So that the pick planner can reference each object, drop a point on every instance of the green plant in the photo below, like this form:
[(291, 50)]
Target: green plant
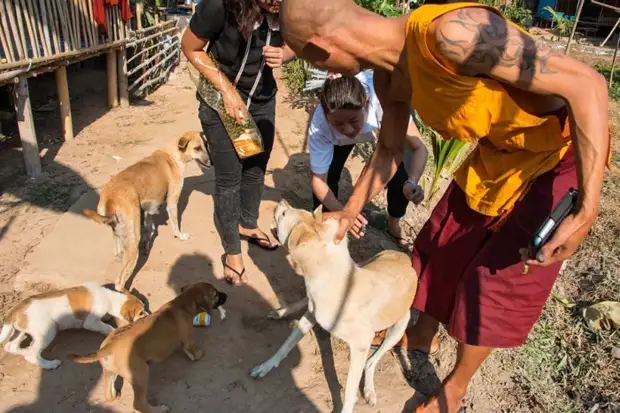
[(562, 26), (605, 70), (515, 12), (387, 8), (294, 75)]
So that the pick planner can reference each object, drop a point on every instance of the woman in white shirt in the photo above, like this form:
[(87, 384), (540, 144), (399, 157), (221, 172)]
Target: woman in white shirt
[(350, 113)]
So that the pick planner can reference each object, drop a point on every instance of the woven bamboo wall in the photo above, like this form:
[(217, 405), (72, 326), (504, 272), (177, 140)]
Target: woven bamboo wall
[(33, 29)]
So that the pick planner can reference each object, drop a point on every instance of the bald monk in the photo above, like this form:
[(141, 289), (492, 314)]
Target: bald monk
[(539, 119)]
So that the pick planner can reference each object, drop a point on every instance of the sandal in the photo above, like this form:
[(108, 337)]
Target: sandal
[(421, 407), (242, 279), (261, 242), (400, 241)]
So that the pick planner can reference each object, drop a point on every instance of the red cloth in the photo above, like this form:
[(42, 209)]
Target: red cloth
[(471, 277), (99, 12)]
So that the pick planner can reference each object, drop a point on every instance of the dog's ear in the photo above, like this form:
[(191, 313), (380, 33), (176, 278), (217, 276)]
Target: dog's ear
[(183, 142), (318, 213)]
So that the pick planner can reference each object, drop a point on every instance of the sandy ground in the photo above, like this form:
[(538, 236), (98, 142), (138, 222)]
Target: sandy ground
[(312, 377)]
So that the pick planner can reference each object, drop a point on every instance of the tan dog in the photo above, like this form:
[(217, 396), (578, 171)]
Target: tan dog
[(144, 187), (43, 315), (128, 351), (351, 302)]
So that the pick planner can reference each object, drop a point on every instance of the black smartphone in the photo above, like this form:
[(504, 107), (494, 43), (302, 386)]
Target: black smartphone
[(567, 206)]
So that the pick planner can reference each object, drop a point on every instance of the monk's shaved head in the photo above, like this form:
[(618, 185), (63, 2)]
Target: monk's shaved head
[(339, 35)]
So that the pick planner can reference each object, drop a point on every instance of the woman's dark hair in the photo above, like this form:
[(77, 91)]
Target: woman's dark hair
[(245, 13), (345, 92)]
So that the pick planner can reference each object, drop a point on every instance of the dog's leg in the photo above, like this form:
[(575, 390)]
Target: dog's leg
[(359, 353), (131, 251), (118, 246), (191, 350), (392, 336), (109, 380), (303, 326), (93, 323), (290, 309), (139, 381), (39, 343), (172, 203)]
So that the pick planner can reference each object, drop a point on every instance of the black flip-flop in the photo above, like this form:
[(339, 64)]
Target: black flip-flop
[(257, 241), (398, 240), (375, 347), (239, 274)]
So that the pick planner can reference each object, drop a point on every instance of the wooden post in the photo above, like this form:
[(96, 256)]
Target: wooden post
[(139, 14), (613, 29), (27, 133), (572, 33), (613, 63), (62, 86), (112, 79), (123, 82)]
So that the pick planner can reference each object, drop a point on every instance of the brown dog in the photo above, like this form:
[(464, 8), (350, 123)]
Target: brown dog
[(144, 187), (127, 351)]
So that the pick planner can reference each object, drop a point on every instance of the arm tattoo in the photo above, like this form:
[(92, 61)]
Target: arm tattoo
[(491, 45)]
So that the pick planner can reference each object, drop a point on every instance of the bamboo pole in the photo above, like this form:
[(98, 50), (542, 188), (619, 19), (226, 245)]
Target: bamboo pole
[(83, 32), (13, 32), (35, 63), (62, 87), (572, 33), (93, 26), (74, 23), (19, 19), (123, 81), (613, 29), (46, 31), (144, 39), (64, 24), (112, 79), (36, 15), (147, 61), (157, 79), (51, 18), (613, 63), (6, 34), (32, 27), (150, 70), (57, 16), (24, 20), (174, 41), (139, 14), (27, 133)]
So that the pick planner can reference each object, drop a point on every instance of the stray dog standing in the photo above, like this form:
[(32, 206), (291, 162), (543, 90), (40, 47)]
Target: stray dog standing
[(143, 188), (351, 302), (43, 315), (128, 351)]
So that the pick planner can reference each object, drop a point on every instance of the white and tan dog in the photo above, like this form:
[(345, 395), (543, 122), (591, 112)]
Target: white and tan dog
[(43, 315), (351, 302), (143, 188)]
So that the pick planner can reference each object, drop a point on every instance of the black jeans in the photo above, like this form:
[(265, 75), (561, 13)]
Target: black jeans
[(238, 182), (397, 203)]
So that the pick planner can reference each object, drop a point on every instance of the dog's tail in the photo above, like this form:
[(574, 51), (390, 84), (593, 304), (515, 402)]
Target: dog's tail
[(7, 332), (101, 219), (89, 358)]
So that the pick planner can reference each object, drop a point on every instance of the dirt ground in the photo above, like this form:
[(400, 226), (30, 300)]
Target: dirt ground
[(312, 377)]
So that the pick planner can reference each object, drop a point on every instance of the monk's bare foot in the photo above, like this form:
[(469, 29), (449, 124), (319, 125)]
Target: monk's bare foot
[(448, 400)]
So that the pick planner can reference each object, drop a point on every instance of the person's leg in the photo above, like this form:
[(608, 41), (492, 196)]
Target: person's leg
[(397, 203), (341, 154), (454, 388), (227, 201), (253, 175)]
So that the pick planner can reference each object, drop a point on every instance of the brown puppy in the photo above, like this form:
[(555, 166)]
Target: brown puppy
[(144, 187), (127, 351)]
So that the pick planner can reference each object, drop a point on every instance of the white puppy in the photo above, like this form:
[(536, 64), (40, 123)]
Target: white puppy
[(42, 316), (351, 302)]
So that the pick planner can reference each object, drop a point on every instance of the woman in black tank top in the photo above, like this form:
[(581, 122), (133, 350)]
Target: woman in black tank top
[(243, 42)]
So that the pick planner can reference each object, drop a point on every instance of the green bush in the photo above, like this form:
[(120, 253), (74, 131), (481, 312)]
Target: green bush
[(386, 8), (294, 76), (614, 92)]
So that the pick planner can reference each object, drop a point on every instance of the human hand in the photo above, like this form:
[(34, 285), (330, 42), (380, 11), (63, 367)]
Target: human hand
[(235, 107), (567, 237), (413, 192), (355, 224), (274, 56)]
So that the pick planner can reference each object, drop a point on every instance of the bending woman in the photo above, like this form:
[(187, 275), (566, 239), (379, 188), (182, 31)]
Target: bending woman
[(239, 34)]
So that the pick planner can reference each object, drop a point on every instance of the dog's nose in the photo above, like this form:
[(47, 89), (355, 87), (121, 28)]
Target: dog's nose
[(221, 299)]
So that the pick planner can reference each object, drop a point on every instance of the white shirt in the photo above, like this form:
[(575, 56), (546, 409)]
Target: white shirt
[(322, 137)]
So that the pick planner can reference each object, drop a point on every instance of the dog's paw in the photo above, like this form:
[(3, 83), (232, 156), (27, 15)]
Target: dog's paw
[(50, 364), (276, 314), (370, 396), (162, 408), (198, 354), (261, 370), (183, 236)]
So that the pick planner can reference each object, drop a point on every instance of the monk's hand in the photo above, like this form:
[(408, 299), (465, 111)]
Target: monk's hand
[(413, 192), (566, 239), (347, 221)]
